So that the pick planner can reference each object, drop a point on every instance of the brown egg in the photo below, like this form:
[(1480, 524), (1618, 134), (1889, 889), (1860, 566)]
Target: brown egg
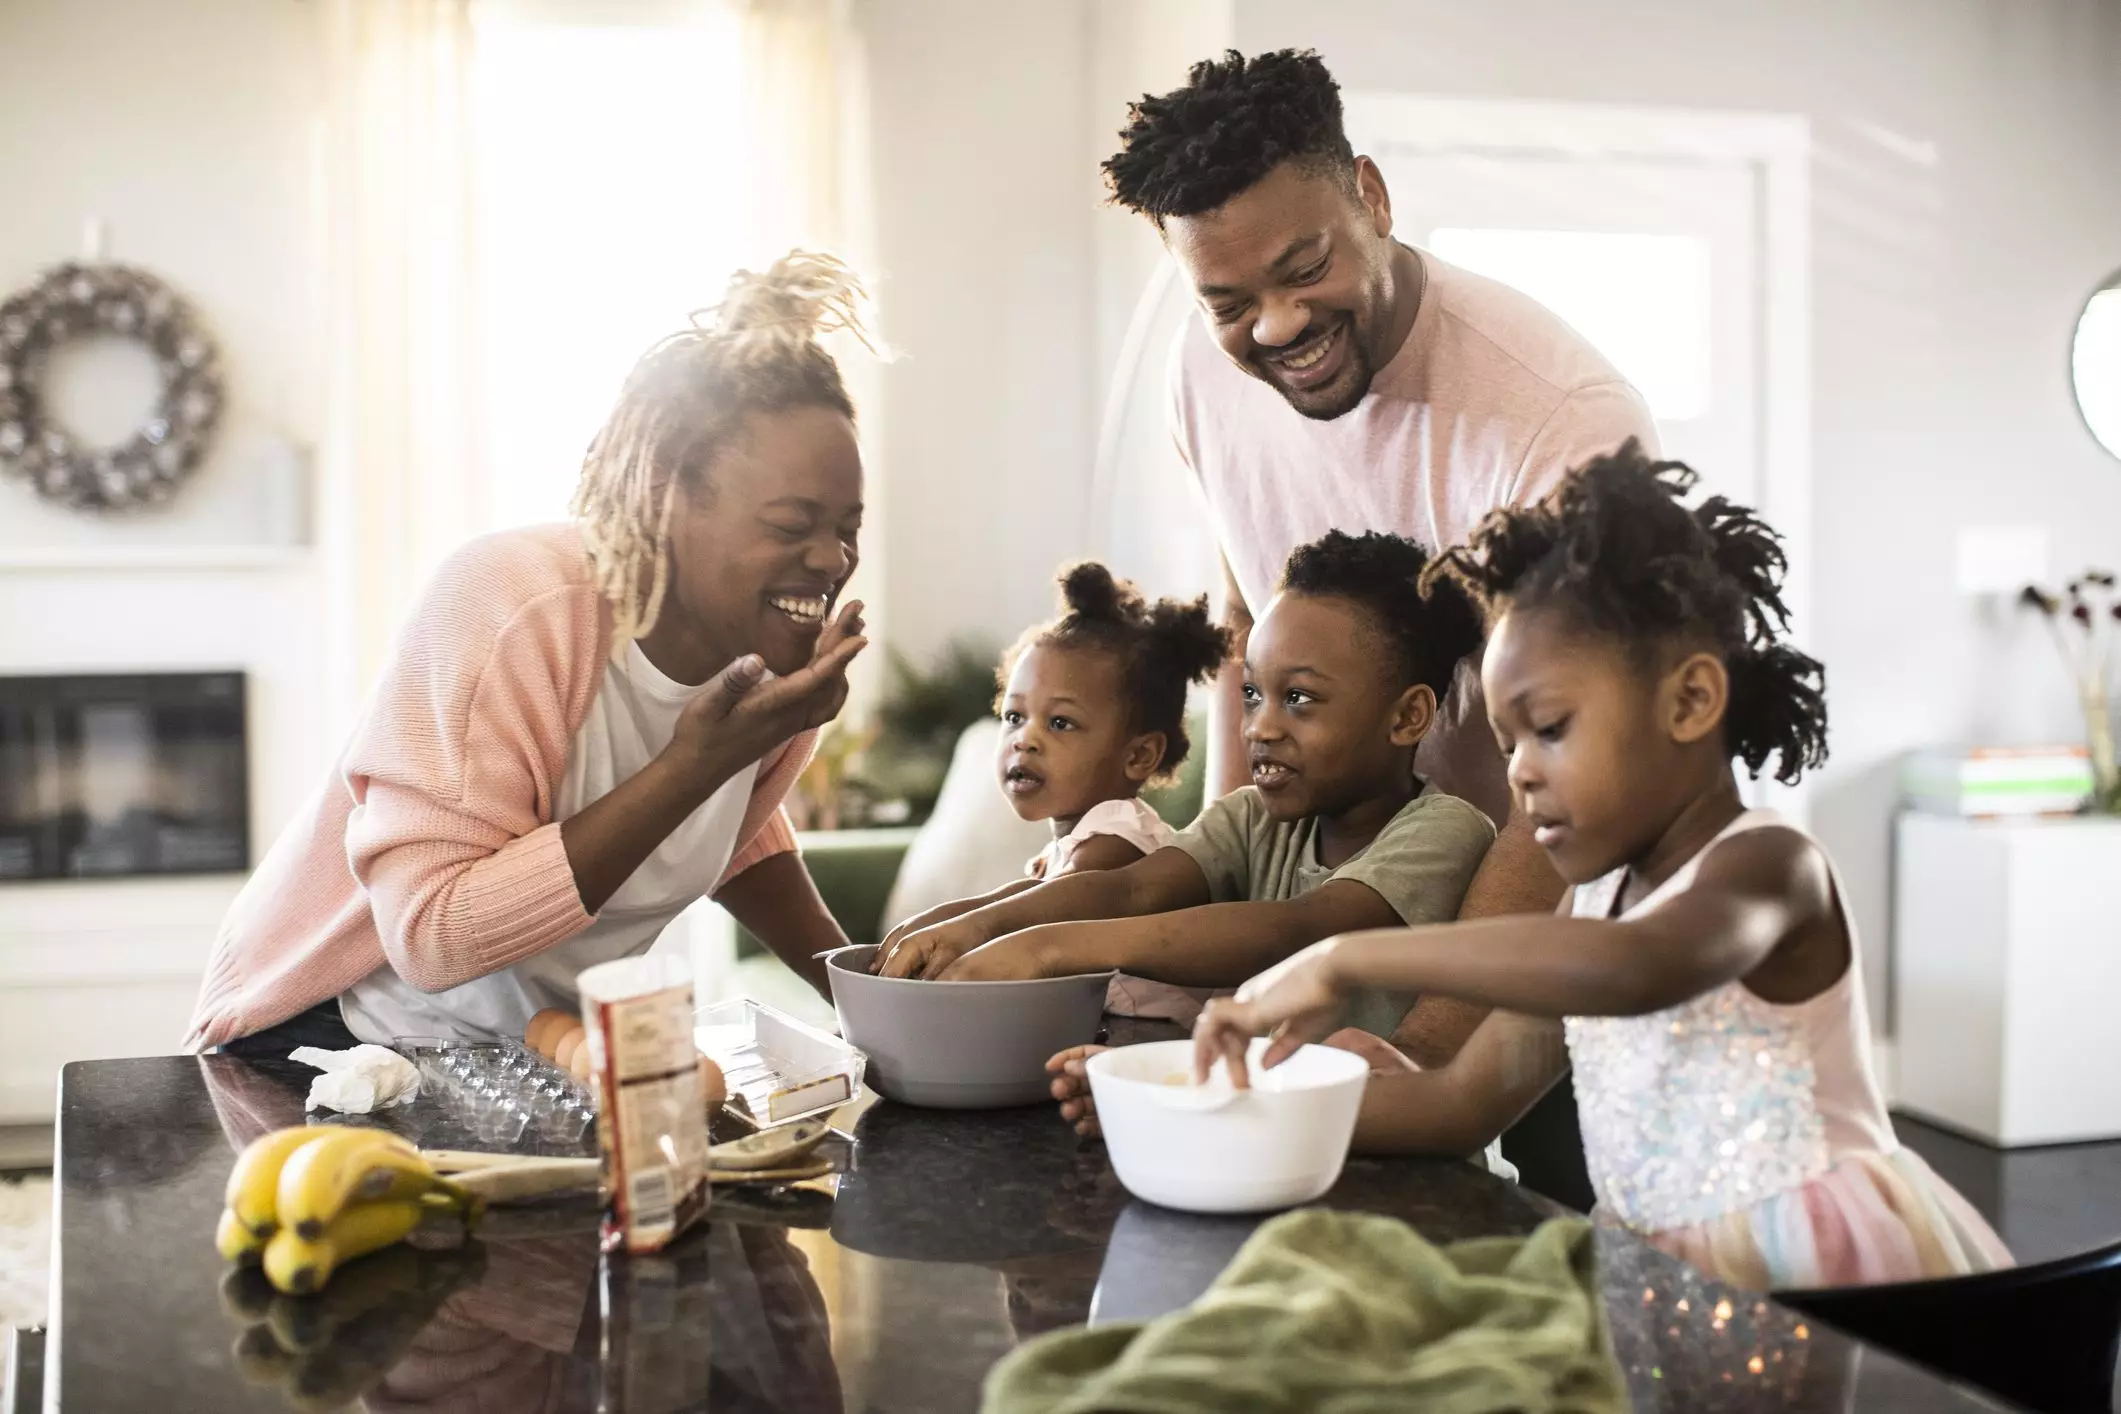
[(714, 1089), (545, 1028), (570, 1043), (579, 1066)]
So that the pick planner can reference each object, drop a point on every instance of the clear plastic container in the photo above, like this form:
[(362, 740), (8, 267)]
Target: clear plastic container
[(778, 1069), (499, 1094)]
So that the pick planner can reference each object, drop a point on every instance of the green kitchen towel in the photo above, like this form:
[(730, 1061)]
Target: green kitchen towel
[(1346, 1313)]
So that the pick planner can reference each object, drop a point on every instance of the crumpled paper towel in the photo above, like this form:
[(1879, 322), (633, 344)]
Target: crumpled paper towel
[(359, 1081)]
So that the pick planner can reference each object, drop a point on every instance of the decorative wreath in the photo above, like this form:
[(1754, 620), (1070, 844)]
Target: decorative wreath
[(73, 301)]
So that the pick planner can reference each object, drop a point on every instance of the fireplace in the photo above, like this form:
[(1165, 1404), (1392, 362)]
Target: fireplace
[(123, 775)]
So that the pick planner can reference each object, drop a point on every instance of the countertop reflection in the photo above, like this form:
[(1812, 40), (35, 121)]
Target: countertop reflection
[(951, 1238)]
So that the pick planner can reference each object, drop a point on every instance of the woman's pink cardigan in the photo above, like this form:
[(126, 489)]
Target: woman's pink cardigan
[(432, 845)]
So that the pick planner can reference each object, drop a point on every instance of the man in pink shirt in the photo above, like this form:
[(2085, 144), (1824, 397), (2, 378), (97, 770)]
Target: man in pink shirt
[(1337, 379)]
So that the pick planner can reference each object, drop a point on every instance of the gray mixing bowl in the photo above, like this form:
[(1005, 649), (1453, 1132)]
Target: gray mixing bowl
[(961, 1045)]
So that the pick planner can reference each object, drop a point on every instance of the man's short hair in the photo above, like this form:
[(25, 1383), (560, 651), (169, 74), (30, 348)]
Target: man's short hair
[(1234, 121)]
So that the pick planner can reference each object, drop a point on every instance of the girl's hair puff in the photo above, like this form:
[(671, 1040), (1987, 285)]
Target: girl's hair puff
[(759, 350), (1163, 647)]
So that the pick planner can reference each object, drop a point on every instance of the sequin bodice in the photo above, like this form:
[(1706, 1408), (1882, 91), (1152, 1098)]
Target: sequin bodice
[(1725, 1100), (1694, 1112)]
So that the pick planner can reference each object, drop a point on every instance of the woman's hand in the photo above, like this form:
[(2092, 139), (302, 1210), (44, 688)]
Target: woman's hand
[(740, 717), (748, 711), (1296, 1001)]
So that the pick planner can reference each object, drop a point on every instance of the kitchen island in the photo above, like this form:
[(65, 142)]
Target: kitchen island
[(952, 1236)]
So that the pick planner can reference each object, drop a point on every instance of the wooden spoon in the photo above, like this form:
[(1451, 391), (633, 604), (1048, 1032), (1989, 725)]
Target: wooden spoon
[(773, 1155)]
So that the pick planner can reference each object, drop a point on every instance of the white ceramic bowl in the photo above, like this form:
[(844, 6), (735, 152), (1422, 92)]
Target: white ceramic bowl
[(1279, 1144), (961, 1045)]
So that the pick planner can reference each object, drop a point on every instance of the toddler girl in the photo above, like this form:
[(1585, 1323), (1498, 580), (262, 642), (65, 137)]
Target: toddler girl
[(1093, 708), (1703, 971)]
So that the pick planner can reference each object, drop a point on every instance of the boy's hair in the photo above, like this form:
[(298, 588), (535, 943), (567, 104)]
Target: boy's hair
[(757, 351), (1236, 119), (1616, 547), (1431, 630), (1162, 648)]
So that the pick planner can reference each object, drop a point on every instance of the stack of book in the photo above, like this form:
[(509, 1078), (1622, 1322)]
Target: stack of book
[(1997, 780)]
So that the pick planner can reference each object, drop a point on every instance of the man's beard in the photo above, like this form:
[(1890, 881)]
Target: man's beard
[(1353, 382)]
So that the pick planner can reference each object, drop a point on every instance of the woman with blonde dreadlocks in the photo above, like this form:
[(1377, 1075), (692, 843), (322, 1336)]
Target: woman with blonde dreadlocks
[(585, 727)]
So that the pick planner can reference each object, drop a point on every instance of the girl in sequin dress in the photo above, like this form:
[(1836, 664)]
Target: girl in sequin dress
[(1701, 976)]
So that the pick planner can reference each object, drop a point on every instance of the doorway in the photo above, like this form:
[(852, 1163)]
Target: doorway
[(1675, 241)]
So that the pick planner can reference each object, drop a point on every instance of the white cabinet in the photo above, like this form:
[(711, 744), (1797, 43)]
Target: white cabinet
[(91, 969), (2007, 976)]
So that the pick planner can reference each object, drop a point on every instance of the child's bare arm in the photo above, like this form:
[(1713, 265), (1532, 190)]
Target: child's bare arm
[(1753, 893), (1097, 852), (1459, 1109), (1763, 897), (944, 912), (1215, 945), (1167, 879), (1514, 878)]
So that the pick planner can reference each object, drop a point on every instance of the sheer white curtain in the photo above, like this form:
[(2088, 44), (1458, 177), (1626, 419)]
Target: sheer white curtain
[(807, 184), (401, 441), (611, 193), (806, 100), (517, 197)]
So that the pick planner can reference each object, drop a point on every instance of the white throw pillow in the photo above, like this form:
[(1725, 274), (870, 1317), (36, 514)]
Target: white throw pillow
[(973, 842)]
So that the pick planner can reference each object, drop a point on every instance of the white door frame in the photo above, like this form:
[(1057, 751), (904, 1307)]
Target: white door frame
[(1778, 146)]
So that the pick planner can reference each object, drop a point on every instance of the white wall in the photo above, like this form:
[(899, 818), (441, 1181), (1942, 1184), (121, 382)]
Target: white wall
[(186, 127), (1134, 49), (1005, 283), (983, 239), (1964, 206)]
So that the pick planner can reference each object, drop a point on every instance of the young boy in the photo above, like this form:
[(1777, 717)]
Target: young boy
[(1342, 677)]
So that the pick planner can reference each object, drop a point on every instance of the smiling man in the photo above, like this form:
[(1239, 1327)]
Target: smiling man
[(1335, 378)]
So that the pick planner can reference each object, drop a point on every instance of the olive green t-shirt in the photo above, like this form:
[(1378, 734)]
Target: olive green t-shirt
[(1420, 863)]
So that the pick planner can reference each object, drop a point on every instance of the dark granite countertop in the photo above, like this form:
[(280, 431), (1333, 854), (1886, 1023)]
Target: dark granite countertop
[(952, 1238)]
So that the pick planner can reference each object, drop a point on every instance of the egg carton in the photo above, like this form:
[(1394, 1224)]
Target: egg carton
[(491, 1092)]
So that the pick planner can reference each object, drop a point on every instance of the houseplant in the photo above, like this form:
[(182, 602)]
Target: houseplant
[(2083, 620), (921, 713), (888, 767)]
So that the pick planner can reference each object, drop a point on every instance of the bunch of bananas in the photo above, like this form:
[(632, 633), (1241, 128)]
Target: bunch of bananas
[(305, 1201), (327, 1350)]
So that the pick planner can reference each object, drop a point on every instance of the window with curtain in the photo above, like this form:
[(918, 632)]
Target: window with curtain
[(609, 201), (519, 197)]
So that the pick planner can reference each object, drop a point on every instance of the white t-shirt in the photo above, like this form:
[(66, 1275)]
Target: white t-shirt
[(632, 719)]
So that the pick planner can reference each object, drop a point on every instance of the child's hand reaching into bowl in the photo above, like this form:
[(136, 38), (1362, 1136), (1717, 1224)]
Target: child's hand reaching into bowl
[(1071, 1083), (1296, 1001), (927, 952), (1020, 957)]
